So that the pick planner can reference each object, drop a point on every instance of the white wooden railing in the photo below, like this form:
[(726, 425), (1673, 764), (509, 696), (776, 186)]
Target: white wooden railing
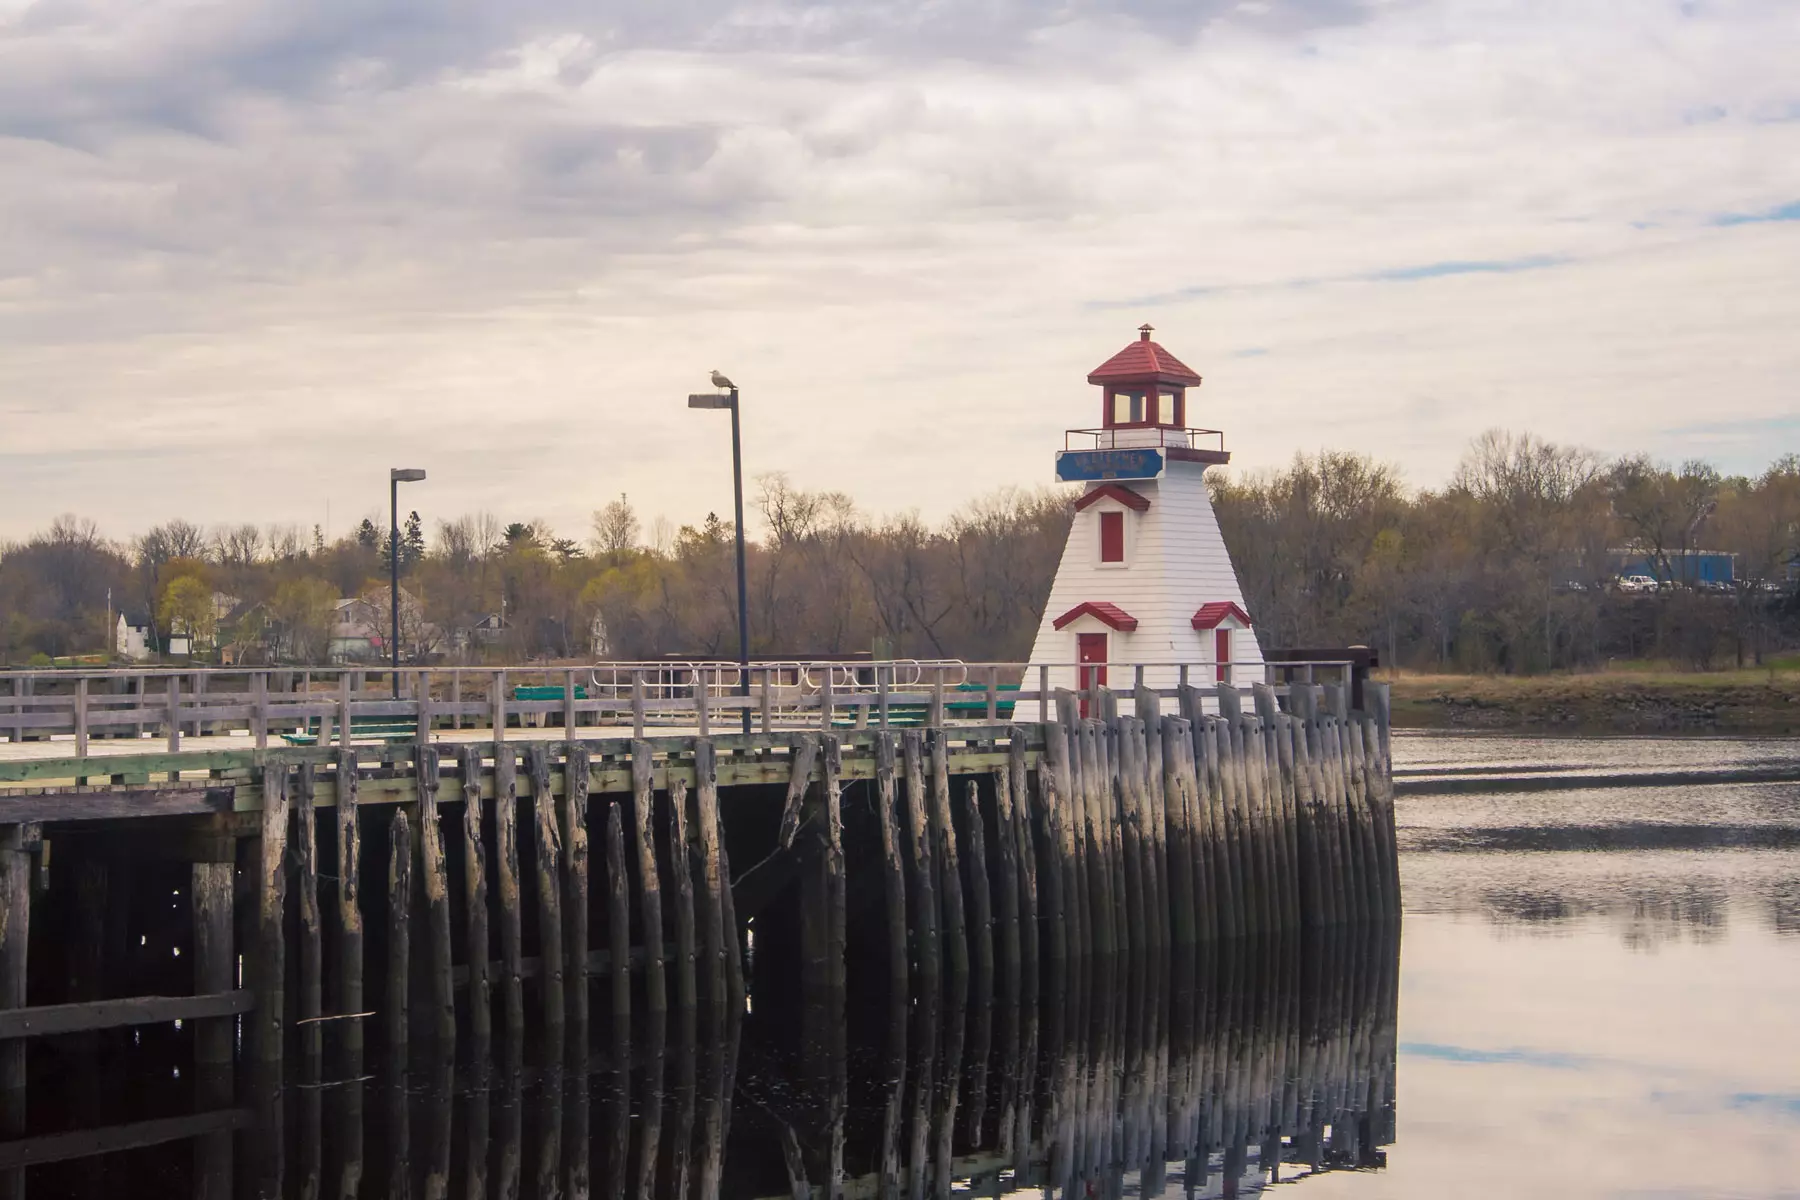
[(606, 699)]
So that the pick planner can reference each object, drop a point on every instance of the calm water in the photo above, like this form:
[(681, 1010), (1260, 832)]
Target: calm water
[(1599, 989), (1598, 994)]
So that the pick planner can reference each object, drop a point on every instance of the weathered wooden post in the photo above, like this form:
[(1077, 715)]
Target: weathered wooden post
[(215, 962), (949, 864), (837, 913), (441, 1019), (399, 932), (1006, 854), (272, 949), (475, 918), (712, 881), (618, 914), (547, 858), (981, 910), (15, 936), (506, 887), (576, 780), (1025, 854), (805, 754), (643, 794), (922, 890), (894, 871), (681, 871), (1058, 860), (311, 933)]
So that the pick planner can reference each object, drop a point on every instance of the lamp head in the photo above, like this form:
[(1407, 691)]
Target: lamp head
[(405, 475), (708, 400)]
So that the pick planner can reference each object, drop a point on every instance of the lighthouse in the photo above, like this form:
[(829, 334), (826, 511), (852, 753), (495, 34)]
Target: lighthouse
[(1145, 579)]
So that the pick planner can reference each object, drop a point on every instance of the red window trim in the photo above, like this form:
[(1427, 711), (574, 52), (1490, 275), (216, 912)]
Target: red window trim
[(1104, 611), (1114, 491), (1210, 615), (1180, 421), (1112, 536)]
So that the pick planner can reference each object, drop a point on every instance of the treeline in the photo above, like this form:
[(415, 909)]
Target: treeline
[(1515, 565), (1511, 567), (823, 581)]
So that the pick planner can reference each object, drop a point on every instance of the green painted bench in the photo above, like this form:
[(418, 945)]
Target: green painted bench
[(362, 729), (546, 693)]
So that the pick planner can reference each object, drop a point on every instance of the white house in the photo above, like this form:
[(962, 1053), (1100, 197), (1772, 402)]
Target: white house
[(1145, 579), (131, 637)]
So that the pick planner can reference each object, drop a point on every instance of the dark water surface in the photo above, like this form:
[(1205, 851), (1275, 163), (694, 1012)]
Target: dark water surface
[(1595, 993)]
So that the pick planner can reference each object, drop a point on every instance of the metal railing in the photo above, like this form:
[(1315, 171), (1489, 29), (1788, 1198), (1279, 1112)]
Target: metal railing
[(321, 705), (1137, 437)]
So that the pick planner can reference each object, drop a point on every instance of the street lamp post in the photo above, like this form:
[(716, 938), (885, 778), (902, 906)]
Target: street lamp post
[(729, 399), (396, 477)]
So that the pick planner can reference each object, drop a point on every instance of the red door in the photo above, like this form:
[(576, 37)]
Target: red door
[(1222, 653), (1091, 649)]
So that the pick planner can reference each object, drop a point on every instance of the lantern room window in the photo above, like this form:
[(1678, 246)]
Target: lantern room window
[(1146, 406), (1128, 408)]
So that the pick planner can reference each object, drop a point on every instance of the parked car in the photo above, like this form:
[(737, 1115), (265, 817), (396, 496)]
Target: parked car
[(1636, 583)]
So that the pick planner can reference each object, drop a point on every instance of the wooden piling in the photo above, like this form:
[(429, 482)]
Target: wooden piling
[(1057, 858), (1026, 858), (712, 882), (837, 920), (894, 870), (1182, 910), (1006, 856), (306, 847), (805, 754), (575, 870), (475, 900), (618, 914), (949, 864), (440, 998), (1099, 916), (506, 886), (922, 887), (271, 985), (680, 871), (399, 932), (643, 809), (548, 856), (215, 962), (980, 894)]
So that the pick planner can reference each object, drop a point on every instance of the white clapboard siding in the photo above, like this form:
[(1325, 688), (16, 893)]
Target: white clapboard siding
[(1175, 561)]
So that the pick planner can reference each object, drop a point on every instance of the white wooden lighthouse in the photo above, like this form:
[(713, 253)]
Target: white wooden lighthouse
[(1145, 579)]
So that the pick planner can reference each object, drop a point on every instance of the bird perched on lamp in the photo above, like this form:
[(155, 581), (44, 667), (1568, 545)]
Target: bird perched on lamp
[(719, 380)]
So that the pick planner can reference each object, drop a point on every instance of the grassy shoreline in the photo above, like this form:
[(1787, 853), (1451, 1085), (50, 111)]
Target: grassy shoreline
[(1622, 701)]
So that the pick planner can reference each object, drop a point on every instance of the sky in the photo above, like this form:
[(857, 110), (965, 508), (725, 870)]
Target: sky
[(253, 253)]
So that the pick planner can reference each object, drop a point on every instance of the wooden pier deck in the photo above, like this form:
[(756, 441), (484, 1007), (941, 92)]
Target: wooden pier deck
[(489, 896)]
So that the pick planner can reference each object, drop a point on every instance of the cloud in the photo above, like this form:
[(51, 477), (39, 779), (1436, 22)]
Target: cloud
[(304, 233)]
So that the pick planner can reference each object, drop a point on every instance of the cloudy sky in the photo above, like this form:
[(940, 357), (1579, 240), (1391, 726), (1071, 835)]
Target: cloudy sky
[(253, 252)]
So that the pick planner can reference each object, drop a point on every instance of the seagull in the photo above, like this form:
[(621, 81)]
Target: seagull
[(719, 380)]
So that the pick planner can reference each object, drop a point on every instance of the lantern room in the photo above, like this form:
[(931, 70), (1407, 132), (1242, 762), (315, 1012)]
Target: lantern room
[(1144, 388)]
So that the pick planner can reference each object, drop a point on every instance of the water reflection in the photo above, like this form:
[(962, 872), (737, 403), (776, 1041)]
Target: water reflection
[(1203, 1076)]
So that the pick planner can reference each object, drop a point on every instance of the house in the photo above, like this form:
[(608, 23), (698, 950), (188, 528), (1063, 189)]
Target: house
[(133, 636), (361, 626), (357, 630)]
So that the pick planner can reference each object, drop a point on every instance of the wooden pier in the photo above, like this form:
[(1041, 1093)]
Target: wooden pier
[(490, 895)]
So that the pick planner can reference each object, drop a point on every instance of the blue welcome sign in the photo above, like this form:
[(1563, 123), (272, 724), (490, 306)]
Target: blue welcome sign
[(1073, 466)]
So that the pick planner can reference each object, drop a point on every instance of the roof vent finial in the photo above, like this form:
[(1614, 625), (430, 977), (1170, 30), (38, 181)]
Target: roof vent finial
[(1145, 330)]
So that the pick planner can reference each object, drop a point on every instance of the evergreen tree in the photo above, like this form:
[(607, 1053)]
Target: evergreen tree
[(412, 541), (369, 537)]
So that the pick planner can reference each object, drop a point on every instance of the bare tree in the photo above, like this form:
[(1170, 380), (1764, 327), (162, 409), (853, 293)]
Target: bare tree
[(615, 529)]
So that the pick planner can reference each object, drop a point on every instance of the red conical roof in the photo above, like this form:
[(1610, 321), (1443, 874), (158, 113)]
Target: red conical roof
[(1143, 361)]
